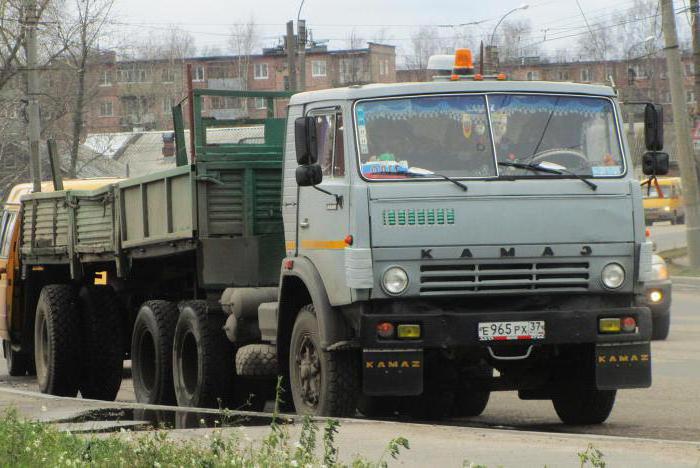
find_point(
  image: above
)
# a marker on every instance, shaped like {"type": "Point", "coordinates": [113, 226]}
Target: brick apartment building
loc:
{"type": "Point", "coordinates": [139, 94]}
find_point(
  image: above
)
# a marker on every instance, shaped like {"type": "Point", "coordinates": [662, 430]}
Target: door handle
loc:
{"type": "Point", "coordinates": [304, 224]}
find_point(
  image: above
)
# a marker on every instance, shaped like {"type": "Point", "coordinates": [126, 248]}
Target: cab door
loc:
{"type": "Point", "coordinates": [323, 217]}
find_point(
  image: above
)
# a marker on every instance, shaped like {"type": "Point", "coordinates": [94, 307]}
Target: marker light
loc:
{"type": "Point", "coordinates": [348, 240]}
{"type": "Point", "coordinates": [609, 325]}
{"type": "Point", "coordinates": [385, 330]}
{"type": "Point", "coordinates": [629, 324]}
{"type": "Point", "coordinates": [464, 64]}
{"type": "Point", "coordinates": [656, 296]}
{"type": "Point", "coordinates": [408, 331]}
{"type": "Point", "coordinates": [478, 77]}
{"type": "Point", "coordinates": [501, 77]}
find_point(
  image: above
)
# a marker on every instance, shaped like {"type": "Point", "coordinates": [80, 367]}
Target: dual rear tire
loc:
{"type": "Point", "coordinates": [78, 342]}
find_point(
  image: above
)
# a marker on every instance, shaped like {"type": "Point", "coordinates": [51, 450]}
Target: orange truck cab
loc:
{"type": "Point", "coordinates": [19, 360]}
{"type": "Point", "coordinates": [664, 203]}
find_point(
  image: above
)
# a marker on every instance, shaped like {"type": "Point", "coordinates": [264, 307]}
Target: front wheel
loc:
{"type": "Point", "coordinates": [584, 405]}
{"type": "Point", "coordinates": [660, 326]}
{"type": "Point", "coordinates": [323, 383]}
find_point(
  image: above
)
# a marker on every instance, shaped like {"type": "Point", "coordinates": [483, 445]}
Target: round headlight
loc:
{"type": "Point", "coordinates": [613, 275]}
{"type": "Point", "coordinates": [395, 280]}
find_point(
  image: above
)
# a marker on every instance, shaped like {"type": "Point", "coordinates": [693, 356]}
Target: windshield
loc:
{"type": "Point", "coordinates": [450, 135]}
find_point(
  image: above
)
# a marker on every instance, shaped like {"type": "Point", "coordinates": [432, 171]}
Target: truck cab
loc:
{"type": "Point", "coordinates": [443, 230]}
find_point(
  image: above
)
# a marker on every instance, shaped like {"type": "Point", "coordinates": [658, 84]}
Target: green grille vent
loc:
{"type": "Point", "coordinates": [419, 217]}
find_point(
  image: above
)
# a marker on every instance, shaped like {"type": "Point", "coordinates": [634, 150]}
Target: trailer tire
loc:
{"type": "Point", "coordinates": [584, 405]}
{"type": "Point", "coordinates": [57, 343]}
{"type": "Point", "coordinates": [331, 378]}
{"type": "Point", "coordinates": [203, 358]}
{"type": "Point", "coordinates": [18, 364]}
{"type": "Point", "coordinates": [103, 342]}
{"type": "Point", "coordinates": [152, 352]}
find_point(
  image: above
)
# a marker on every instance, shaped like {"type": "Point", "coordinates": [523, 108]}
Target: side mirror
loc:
{"type": "Point", "coordinates": [308, 176]}
{"type": "Point", "coordinates": [305, 140]}
{"type": "Point", "coordinates": [655, 163]}
{"type": "Point", "coordinates": [654, 127]}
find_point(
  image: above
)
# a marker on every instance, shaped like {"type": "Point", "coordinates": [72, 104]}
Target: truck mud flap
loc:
{"type": "Point", "coordinates": [395, 372]}
{"type": "Point", "coordinates": [623, 366]}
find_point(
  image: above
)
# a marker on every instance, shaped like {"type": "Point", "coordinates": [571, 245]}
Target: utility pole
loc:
{"type": "Point", "coordinates": [691, 191]}
{"type": "Point", "coordinates": [30, 21]}
{"type": "Point", "coordinates": [301, 41]}
{"type": "Point", "coordinates": [291, 56]}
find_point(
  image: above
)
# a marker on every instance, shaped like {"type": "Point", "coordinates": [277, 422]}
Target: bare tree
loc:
{"type": "Point", "coordinates": [514, 37]}
{"type": "Point", "coordinates": [425, 42]}
{"type": "Point", "coordinates": [243, 41]}
{"type": "Point", "coordinates": [80, 25]}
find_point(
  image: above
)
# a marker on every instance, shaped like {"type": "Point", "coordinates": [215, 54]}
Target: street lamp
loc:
{"type": "Point", "coordinates": [493, 34]}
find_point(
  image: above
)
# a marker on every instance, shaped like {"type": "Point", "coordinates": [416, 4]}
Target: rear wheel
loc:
{"type": "Point", "coordinates": [203, 358]}
{"type": "Point", "coordinates": [323, 383]}
{"type": "Point", "coordinates": [57, 341]}
{"type": "Point", "coordinates": [18, 364]}
{"type": "Point", "coordinates": [103, 341]}
{"type": "Point", "coordinates": [584, 405]}
{"type": "Point", "coordinates": [152, 352]}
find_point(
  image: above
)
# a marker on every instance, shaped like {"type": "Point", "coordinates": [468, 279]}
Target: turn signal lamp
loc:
{"type": "Point", "coordinates": [408, 331]}
{"type": "Point", "coordinates": [464, 64]}
{"type": "Point", "coordinates": [385, 330]}
{"type": "Point", "coordinates": [609, 325]}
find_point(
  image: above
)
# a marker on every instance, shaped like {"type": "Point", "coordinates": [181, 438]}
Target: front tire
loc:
{"type": "Point", "coordinates": [660, 326]}
{"type": "Point", "coordinates": [18, 364]}
{"type": "Point", "coordinates": [471, 401]}
{"type": "Point", "coordinates": [152, 352]}
{"type": "Point", "coordinates": [323, 383]}
{"type": "Point", "coordinates": [103, 340]}
{"type": "Point", "coordinates": [203, 358]}
{"type": "Point", "coordinates": [584, 405]}
{"type": "Point", "coordinates": [57, 341]}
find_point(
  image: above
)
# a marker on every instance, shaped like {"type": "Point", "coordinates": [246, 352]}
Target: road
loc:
{"type": "Point", "coordinates": [668, 236]}
{"type": "Point", "coordinates": [669, 410]}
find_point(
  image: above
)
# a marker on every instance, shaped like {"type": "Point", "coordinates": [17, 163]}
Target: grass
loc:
{"type": "Point", "coordinates": [28, 444]}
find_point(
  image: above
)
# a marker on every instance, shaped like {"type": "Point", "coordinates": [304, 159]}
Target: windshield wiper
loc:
{"type": "Point", "coordinates": [416, 171]}
{"type": "Point", "coordinates": [536, 167]}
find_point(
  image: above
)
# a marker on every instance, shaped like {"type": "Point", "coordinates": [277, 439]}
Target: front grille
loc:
{"type": "Point", "coordinates": [445, 279]}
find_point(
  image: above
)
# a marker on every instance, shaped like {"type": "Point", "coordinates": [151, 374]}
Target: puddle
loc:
{"type": "Point", "coordinates": [114, 419]}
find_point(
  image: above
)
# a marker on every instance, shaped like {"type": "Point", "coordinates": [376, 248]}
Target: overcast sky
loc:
{"type": "Point", "coordinates": [209, 20]}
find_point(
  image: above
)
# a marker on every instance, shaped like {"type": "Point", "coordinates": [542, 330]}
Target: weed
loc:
{"type": "Point", "coordinates": [593, 456]}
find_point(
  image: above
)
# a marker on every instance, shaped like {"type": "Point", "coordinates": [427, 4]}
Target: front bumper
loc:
{"type": "Point", "coordinates": [460, 329]}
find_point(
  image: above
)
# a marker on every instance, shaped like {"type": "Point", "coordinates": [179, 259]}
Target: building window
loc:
{"type": "Point", "coordinates": [216, 72]}
{"type": "Point", "coordinates": [218, 102]}
{"type": "Point", "coordinates": [586, 75]}
{"type": "Point", "coordinates": [132, 75]}
{"type": "Point", "coordinates": [168, 75]}
{"type": "Point", "coordinates": [689, 69]}
{"type": "Point", "coordinates": [384, 67]}
{"type": "Point", "coordinates": [167, 104]}
{"type": "Point", "coordinates": [106, 109]}
{"type": "Point", "coordinates": [318, 68]}
{"type": "Point", "coordinates": [563, 76]}
{"type": "Point", "coordinates": [690, 96]}
{"type": "Point", "coordinates": [261, 72]}
{"type": "Point", "coordinates": [533, 76]}
{"type": "Point", "coordinates": [106, 78]}
{"type": "Point", "coordinates": [198, 74]}
{"type": "Point", "coordinates": [260, 103]}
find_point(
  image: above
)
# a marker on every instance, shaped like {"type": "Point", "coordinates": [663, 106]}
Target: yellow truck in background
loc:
{"type": "Point", "coordinates": [19, 363]}
{"type": "Point", "coordinates": [664, 203]}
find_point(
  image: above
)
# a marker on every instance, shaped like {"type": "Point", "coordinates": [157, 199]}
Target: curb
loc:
{"type": "Point", "coordinates": [689, 281]}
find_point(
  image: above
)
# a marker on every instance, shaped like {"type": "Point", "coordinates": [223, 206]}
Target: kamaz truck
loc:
{"type": "Point", "coordinates": [387, 248]}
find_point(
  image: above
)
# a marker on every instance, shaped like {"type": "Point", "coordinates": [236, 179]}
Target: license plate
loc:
{"type": "Point", "coordinates": [502, 331]}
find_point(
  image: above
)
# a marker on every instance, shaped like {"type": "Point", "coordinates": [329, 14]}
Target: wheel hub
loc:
{"type": "Point", "coordinates": [309, 366]}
